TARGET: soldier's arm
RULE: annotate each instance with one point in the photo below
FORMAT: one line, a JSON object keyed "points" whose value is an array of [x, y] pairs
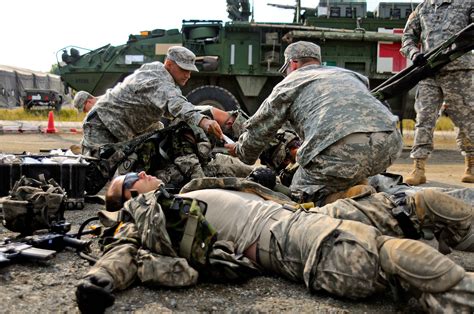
{"points": [[118, 264], [411, 36], [261, 128]]}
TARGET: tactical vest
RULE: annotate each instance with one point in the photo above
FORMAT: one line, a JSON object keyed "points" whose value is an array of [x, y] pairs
{"points": [[168, 225]]}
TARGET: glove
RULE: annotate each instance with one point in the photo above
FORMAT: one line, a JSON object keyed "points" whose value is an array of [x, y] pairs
{"points": [[93, 295], [419, 59]]}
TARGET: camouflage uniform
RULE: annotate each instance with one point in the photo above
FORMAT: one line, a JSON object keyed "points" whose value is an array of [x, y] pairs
{"points": [[432, 22], [343, 257], [181, 153], [136, 106], [347, 134]]}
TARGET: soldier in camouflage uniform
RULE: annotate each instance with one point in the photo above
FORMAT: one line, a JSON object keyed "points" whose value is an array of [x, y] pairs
{"points": [[341, 256], [83, 101], [432, 22], [137, 105], [347, 135], [182, 152]]}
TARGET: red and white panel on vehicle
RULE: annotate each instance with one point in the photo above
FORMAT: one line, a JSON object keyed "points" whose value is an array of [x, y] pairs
{"points": [[389, 58]]}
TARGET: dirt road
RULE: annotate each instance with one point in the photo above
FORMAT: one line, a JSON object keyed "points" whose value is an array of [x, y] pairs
{"points": [[49, 286]]}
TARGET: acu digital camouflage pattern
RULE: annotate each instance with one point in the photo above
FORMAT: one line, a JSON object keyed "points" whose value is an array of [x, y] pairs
{"points": [[343, 257], [367, 154], [140, 101], [430, 24], [80, 100], [433, 22], [323, 105]]}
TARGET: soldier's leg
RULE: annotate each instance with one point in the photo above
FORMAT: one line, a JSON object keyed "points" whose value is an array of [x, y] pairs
{"points": [[337, 256], [342, 169], [457, 90], [411, 215], [442, 285], [449, 218], [335, 170], [227, 166], [457, 86], [190, 166], [428, 101], [95, 134]]}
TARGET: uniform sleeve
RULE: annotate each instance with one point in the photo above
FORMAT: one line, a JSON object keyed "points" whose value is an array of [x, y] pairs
{"points": [[168, 97], [119, 260], [411, 36], [260, 129]]}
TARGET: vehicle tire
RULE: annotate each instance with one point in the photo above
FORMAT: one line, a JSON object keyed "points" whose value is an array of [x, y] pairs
{"points": [[215, 96]]}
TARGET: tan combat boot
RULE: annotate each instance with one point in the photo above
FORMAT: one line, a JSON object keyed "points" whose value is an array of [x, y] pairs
{"points": [[350, 192], [417, 176], [468, 176]]}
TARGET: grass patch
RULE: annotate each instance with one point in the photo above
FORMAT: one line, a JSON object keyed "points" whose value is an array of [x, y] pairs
{"points": [[65, 115], [443, 124], [69, 114]]}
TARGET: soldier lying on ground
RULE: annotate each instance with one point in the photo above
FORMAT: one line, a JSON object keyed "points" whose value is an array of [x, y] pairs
{"points": [[256, 233], [175, 154]]}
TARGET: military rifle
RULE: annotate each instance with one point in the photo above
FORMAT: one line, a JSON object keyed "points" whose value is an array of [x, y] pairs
{"points": [[460, 43], [10, 251]]}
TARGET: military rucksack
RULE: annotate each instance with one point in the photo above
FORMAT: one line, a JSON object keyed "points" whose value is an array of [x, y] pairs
{"points": [[33, 205]]}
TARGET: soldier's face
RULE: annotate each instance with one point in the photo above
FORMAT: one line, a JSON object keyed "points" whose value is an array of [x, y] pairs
{"points": [[179, 75], [144, 183]]}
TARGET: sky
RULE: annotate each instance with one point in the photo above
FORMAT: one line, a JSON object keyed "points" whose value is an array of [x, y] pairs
{"points": [[33, 31]]}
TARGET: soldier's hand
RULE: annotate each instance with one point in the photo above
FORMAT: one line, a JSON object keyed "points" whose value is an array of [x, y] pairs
{"points": [[231, 149], [211, 127], [419, 59], [93, 295]]}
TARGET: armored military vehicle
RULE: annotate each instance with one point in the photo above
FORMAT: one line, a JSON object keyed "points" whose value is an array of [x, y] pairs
{"points": [[239, 60]]}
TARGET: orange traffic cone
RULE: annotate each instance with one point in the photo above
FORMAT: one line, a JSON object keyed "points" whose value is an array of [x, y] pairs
{"points": [[51, 128]]}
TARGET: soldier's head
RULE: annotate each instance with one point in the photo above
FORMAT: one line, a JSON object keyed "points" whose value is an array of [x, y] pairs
{"points": [[282, 151], [231, 122], [180, 63], [299, 54], [120, 188], [83, 101]]}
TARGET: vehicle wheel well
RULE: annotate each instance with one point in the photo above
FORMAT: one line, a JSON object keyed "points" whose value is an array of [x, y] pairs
{"points": [[215, 96]]}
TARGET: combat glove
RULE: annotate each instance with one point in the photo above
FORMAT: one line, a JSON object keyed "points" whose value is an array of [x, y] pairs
{"points": [[93, 295], [419, 59]]}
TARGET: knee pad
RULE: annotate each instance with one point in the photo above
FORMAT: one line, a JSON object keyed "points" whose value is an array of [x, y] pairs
{"points": [[420, 265]]}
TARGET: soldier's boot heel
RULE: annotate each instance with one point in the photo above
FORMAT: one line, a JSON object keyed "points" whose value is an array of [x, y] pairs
{"points": [[354, 191], [468, 176], [417, 175]]}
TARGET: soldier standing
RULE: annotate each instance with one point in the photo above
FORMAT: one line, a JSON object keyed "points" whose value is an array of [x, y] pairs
{"points": [[347, 135], [432, 22]]}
